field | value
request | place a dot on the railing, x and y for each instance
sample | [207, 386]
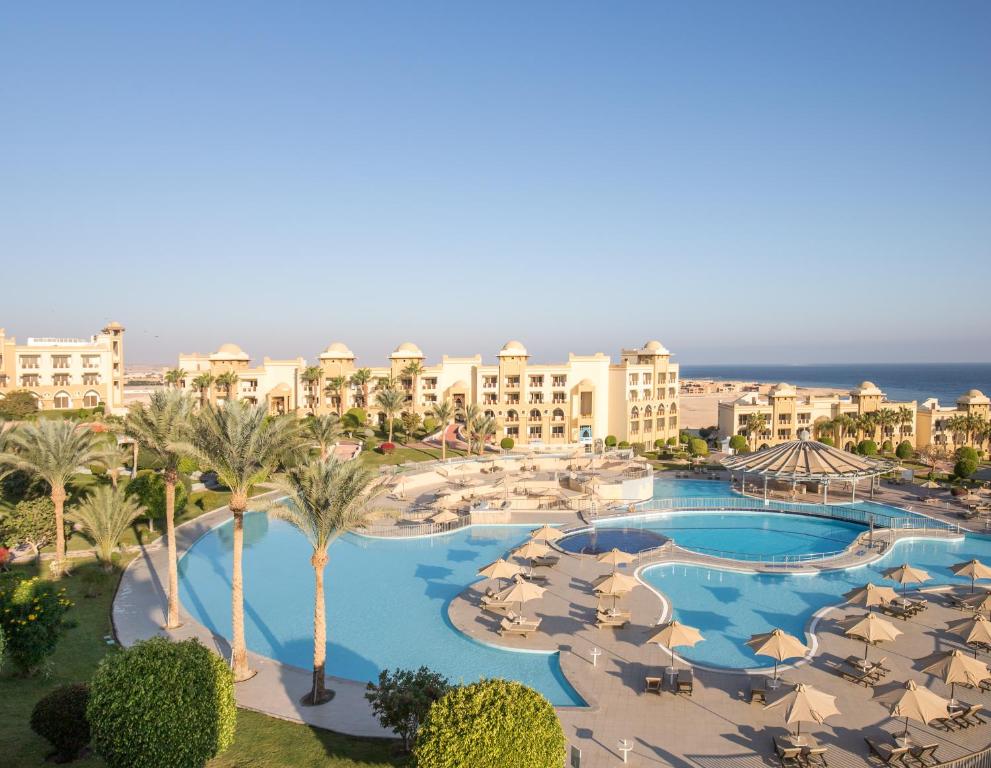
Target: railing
[980, 759]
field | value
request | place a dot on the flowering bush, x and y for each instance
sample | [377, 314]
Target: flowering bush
[32, 614]
[387, 447]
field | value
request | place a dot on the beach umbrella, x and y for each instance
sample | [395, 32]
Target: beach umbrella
[872, 629]
[905, 574]
[675, 634]
[616, 557]
[931, 484]
[531, 550]
[805, 704]
[500, 569]
[914, 702]
[546, 533]
[521, 591]
[870, 595]
[975, 630]
[974, 569]
[957, 667]
[442, 518]
[979, 603]
[615, 585]
[779, 645]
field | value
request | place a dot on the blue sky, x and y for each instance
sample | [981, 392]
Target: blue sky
[579, 175]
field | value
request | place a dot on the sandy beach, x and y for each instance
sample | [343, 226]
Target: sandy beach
[698, 411]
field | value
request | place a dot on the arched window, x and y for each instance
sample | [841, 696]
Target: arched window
[558, 414]
[660, 409]
[635, 413]
[490, 414]
[512, 415]
[674, 409]
[62, 400]
[535, 414]
[91, 399]
[648, 412]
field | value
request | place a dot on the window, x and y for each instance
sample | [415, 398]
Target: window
[558, 415]
[91, 400]
[512, 431]
[512, 416]
[534, 415]
[634, 394]
[634, 427]
[512, 382]
[557, 431]
[490, 398]
[60, 362]
[62, 400]
[634, 413]
[30, 361]
[536, 398]
[490, 414]
[490, 381]
[430, 383]
[535, 432]
[513, 399]
[634, 379]
[559, 381]
[60, 379]
[536, 381]
[30, 380]
[646, 379]
[91, 361]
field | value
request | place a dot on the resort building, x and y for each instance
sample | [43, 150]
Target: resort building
[954, 427]
[228, 373]
[786, 414]
[66, 373]
[586, 398]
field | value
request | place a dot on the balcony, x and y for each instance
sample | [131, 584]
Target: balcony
[512, 399]
[536, 399]
[490, 382]
[536, 381]
[512, 383]
[559, 398]
[559, 381]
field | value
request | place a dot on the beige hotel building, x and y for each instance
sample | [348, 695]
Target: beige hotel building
[66, 373]
[587, 397]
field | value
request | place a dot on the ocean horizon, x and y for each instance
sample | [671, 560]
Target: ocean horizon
[899, 381]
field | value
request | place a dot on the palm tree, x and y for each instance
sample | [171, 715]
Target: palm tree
[337, 385]
[104, 517]
[468, 413]
[843, 424]
[443, 411]
[325, 431]
[481, 429]
[414, 369]
[822, 428]
[117, 455]
[887, 419]
[227, 381]
[867, 425]
[161, 427]
[311, 375]
[174, 377]
[755, 425]
[361, 378]
[391, 401]
[905, 416]
[203, 382]
[323, 501]
[243, 446]
[53, 450]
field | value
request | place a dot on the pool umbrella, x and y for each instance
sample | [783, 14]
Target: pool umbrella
[546, 533]
[805, 704]
[674, 634]
[914, 702]
[615, 585]
[980, 603]
[975, 569]
[779, 645]
[957, 667]
[520, 592]
[616, 557]
[872, 629]
[975, 631]
[870, 595]
[442, 518]
[500, 569]
[532, 549]
[905, 574]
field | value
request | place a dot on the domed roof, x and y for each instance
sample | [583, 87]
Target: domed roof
[407, 349]
[513, 348]
[336, 350]
[867, 388]
[656, 347]
[974, 397]
[782, 389]
[229, 351]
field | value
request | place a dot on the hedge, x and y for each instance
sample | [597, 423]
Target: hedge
[904, 451]
[507, 443]
[60, 718]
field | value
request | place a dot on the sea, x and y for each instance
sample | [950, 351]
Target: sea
[899, 381]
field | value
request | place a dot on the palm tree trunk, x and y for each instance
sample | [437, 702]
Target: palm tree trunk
[172, 620]
[319, 694]
[58, 499]
[134, 459]
[443, 441]
[389, 417]
[239, 653]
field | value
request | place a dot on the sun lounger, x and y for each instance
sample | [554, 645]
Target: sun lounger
[815, 755]
[970, 714]
[548, 561]
[758, 693]
[925, 754]
[652, 684]
[535, 577]
[686, 681]
[496, 606]
[788, 755]
[507, 627]
[896, 611]
[889, 754]
[959, 601]
[853, 675]
[605, 621]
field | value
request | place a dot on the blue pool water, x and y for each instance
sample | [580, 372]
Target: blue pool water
[386, 602]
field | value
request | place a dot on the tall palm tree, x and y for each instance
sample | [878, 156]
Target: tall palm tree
[227, 381]
[468, 413]
[174, 376]
[867, 425]
[325, 431]
[311, 375]
[323, 501]
[337, 385]
[822, 428]
[162, 427]
[117, 455]
[53, 450]
[843, 424]
[887, 420]
[443, 411]
[203, 382]
[755, 425]
[481, 429]
[362, 378]
[243, 446]
[391, 401]
[414, 369]
[905, 416]
[104, 517]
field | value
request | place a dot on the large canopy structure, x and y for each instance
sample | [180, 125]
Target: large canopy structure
[809, 462]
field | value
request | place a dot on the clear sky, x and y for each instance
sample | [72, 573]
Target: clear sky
[761, 181]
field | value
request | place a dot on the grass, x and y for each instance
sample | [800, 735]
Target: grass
[260, 742]
[404, 453]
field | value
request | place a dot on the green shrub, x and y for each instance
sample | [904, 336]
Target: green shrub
[827, 441]
[18, 405]
[507, 443]
[148, 488]
[658, 443]
[402, 699]
[188, 465]
[161, 704]
[610, 441]
[3, 647]
[491, 724]
[739, 444]
[98, 470]
[354, 417]
[32, 615]
[968, 453]
[623, 444]
[672, 441]
[638, 449]
[698, 447]
[886, 446]
[32, 522]
[60, 718]
[684, 437]
[904, 451]
[867, 448]
[965, 468]
[430, 424]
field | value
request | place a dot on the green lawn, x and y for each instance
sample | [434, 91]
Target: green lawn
[404, 453]
[261, 742]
